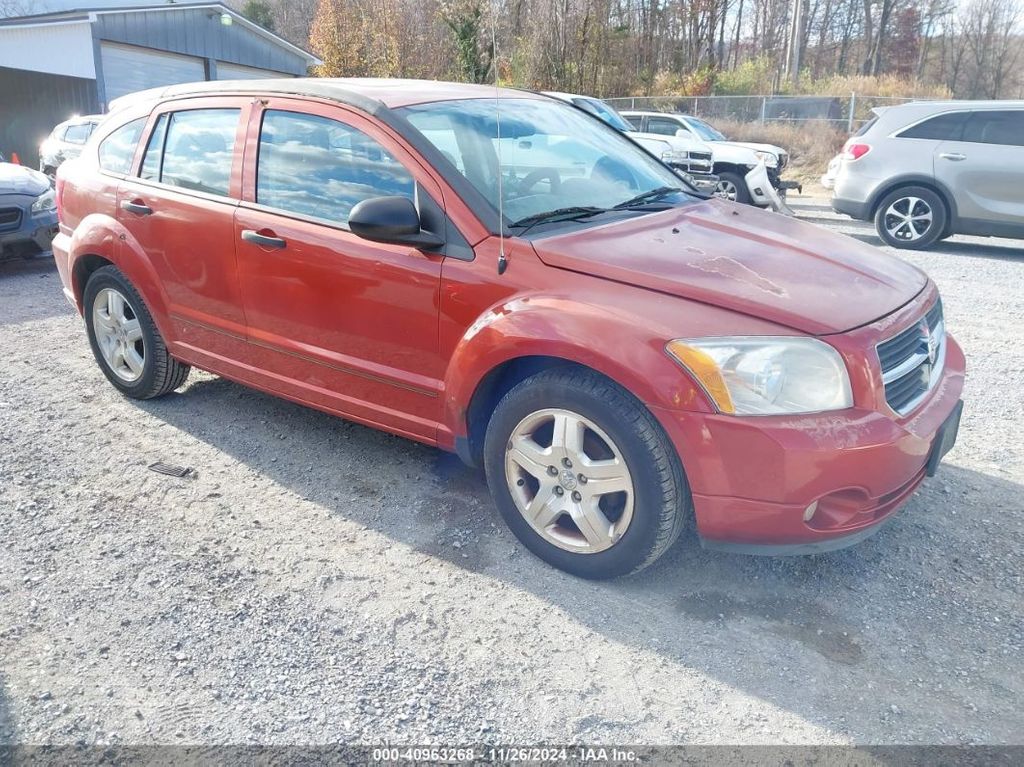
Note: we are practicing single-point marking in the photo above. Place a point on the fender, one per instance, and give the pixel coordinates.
(627, 349)
(101, 235)
(920, 179)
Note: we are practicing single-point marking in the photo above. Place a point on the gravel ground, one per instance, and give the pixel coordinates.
(321, 582)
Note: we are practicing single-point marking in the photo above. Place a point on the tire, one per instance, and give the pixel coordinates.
(911, 218)
(617, 432)
(732, 186)
(152, 371)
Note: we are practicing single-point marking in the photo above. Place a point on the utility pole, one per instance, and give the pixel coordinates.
(796, 38)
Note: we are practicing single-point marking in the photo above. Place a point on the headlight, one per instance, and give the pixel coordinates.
(671, 156)
(45, 201)
(766, 375)
(769, 159)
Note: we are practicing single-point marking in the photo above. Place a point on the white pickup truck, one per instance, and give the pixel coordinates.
(691, 157)
(733, 159)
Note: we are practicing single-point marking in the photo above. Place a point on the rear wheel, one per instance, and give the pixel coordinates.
(911, 218)
(124, 339)
(583, 474)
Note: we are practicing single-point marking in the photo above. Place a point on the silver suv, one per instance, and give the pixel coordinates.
(924, 171)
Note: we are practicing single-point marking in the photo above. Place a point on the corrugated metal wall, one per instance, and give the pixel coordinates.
(198, 32)
(33, 103)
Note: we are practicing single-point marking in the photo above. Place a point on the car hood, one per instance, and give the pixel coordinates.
(746, 260)
(678, 143)
(778, 151)
(17, 179)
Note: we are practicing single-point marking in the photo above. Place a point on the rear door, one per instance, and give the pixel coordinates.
(336, 320)
(985, 167)
(179, 209)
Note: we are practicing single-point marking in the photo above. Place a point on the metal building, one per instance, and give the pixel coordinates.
(55, 65)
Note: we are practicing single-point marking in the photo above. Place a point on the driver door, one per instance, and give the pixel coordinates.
(335, 320)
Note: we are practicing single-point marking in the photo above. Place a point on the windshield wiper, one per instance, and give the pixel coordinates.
(649, 196)
(558, 214)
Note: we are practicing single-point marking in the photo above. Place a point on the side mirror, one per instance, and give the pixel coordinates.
(393, 220)
(682, 133)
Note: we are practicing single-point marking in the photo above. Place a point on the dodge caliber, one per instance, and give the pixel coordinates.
(504, 276)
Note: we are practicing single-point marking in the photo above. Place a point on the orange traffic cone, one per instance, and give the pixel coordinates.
(15, 159)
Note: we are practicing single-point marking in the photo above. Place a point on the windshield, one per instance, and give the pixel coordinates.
(600, 109)
(552, 157)
(704, 130)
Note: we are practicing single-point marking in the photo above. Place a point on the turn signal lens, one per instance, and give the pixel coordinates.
(704, 368)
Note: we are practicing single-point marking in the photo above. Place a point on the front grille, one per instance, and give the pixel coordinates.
(912, 360)
(10, 218)
(701, 162)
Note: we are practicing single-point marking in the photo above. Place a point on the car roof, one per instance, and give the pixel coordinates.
(367, 93)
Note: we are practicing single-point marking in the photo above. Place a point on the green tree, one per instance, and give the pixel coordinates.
(259, 12)
(473, 50)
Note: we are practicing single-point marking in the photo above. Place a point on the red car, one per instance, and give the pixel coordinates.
(506, 277)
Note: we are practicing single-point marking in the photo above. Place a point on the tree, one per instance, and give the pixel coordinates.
(473, 48)
(259, 12)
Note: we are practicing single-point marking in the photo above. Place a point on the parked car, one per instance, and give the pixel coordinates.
(731, 157)
(692, 158)
(927, 170)
(624, 359)
(28, 215)
(65, 142)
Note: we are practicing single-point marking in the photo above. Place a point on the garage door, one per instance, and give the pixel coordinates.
(128, 68)
(227, 71)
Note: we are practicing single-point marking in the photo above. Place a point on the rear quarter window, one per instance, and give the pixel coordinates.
(944, 127)
(117, 150)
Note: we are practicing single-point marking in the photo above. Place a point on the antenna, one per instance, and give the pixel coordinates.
(502, 259)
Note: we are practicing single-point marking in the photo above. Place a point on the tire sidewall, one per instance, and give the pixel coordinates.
(939, 218)
(636, 544)
(111, 277)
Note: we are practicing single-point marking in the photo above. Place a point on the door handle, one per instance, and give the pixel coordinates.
(137, 207)
(263, 240)
(954, 156)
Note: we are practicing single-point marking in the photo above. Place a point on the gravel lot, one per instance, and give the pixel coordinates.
(321, 582)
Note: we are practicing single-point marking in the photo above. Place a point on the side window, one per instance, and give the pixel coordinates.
(636, 121)
(944, 127)
(318, 167)
(152, 162)
(199, 150)
(77, 134)
(117, 150)
(1002, 127)
(663, 126)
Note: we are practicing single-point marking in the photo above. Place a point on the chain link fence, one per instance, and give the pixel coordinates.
(849, 112)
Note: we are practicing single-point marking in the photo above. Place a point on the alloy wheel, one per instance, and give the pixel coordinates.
(726, 190)
(119, 335)
(569, 480)
(908, 219)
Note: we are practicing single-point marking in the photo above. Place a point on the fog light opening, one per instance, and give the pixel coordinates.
(809, 511)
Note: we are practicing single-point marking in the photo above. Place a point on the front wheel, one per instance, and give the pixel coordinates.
(733, 187)
(583, 474)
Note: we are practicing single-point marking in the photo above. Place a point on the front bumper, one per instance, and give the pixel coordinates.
(32, 234)
(752, 479)
(706, 183)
